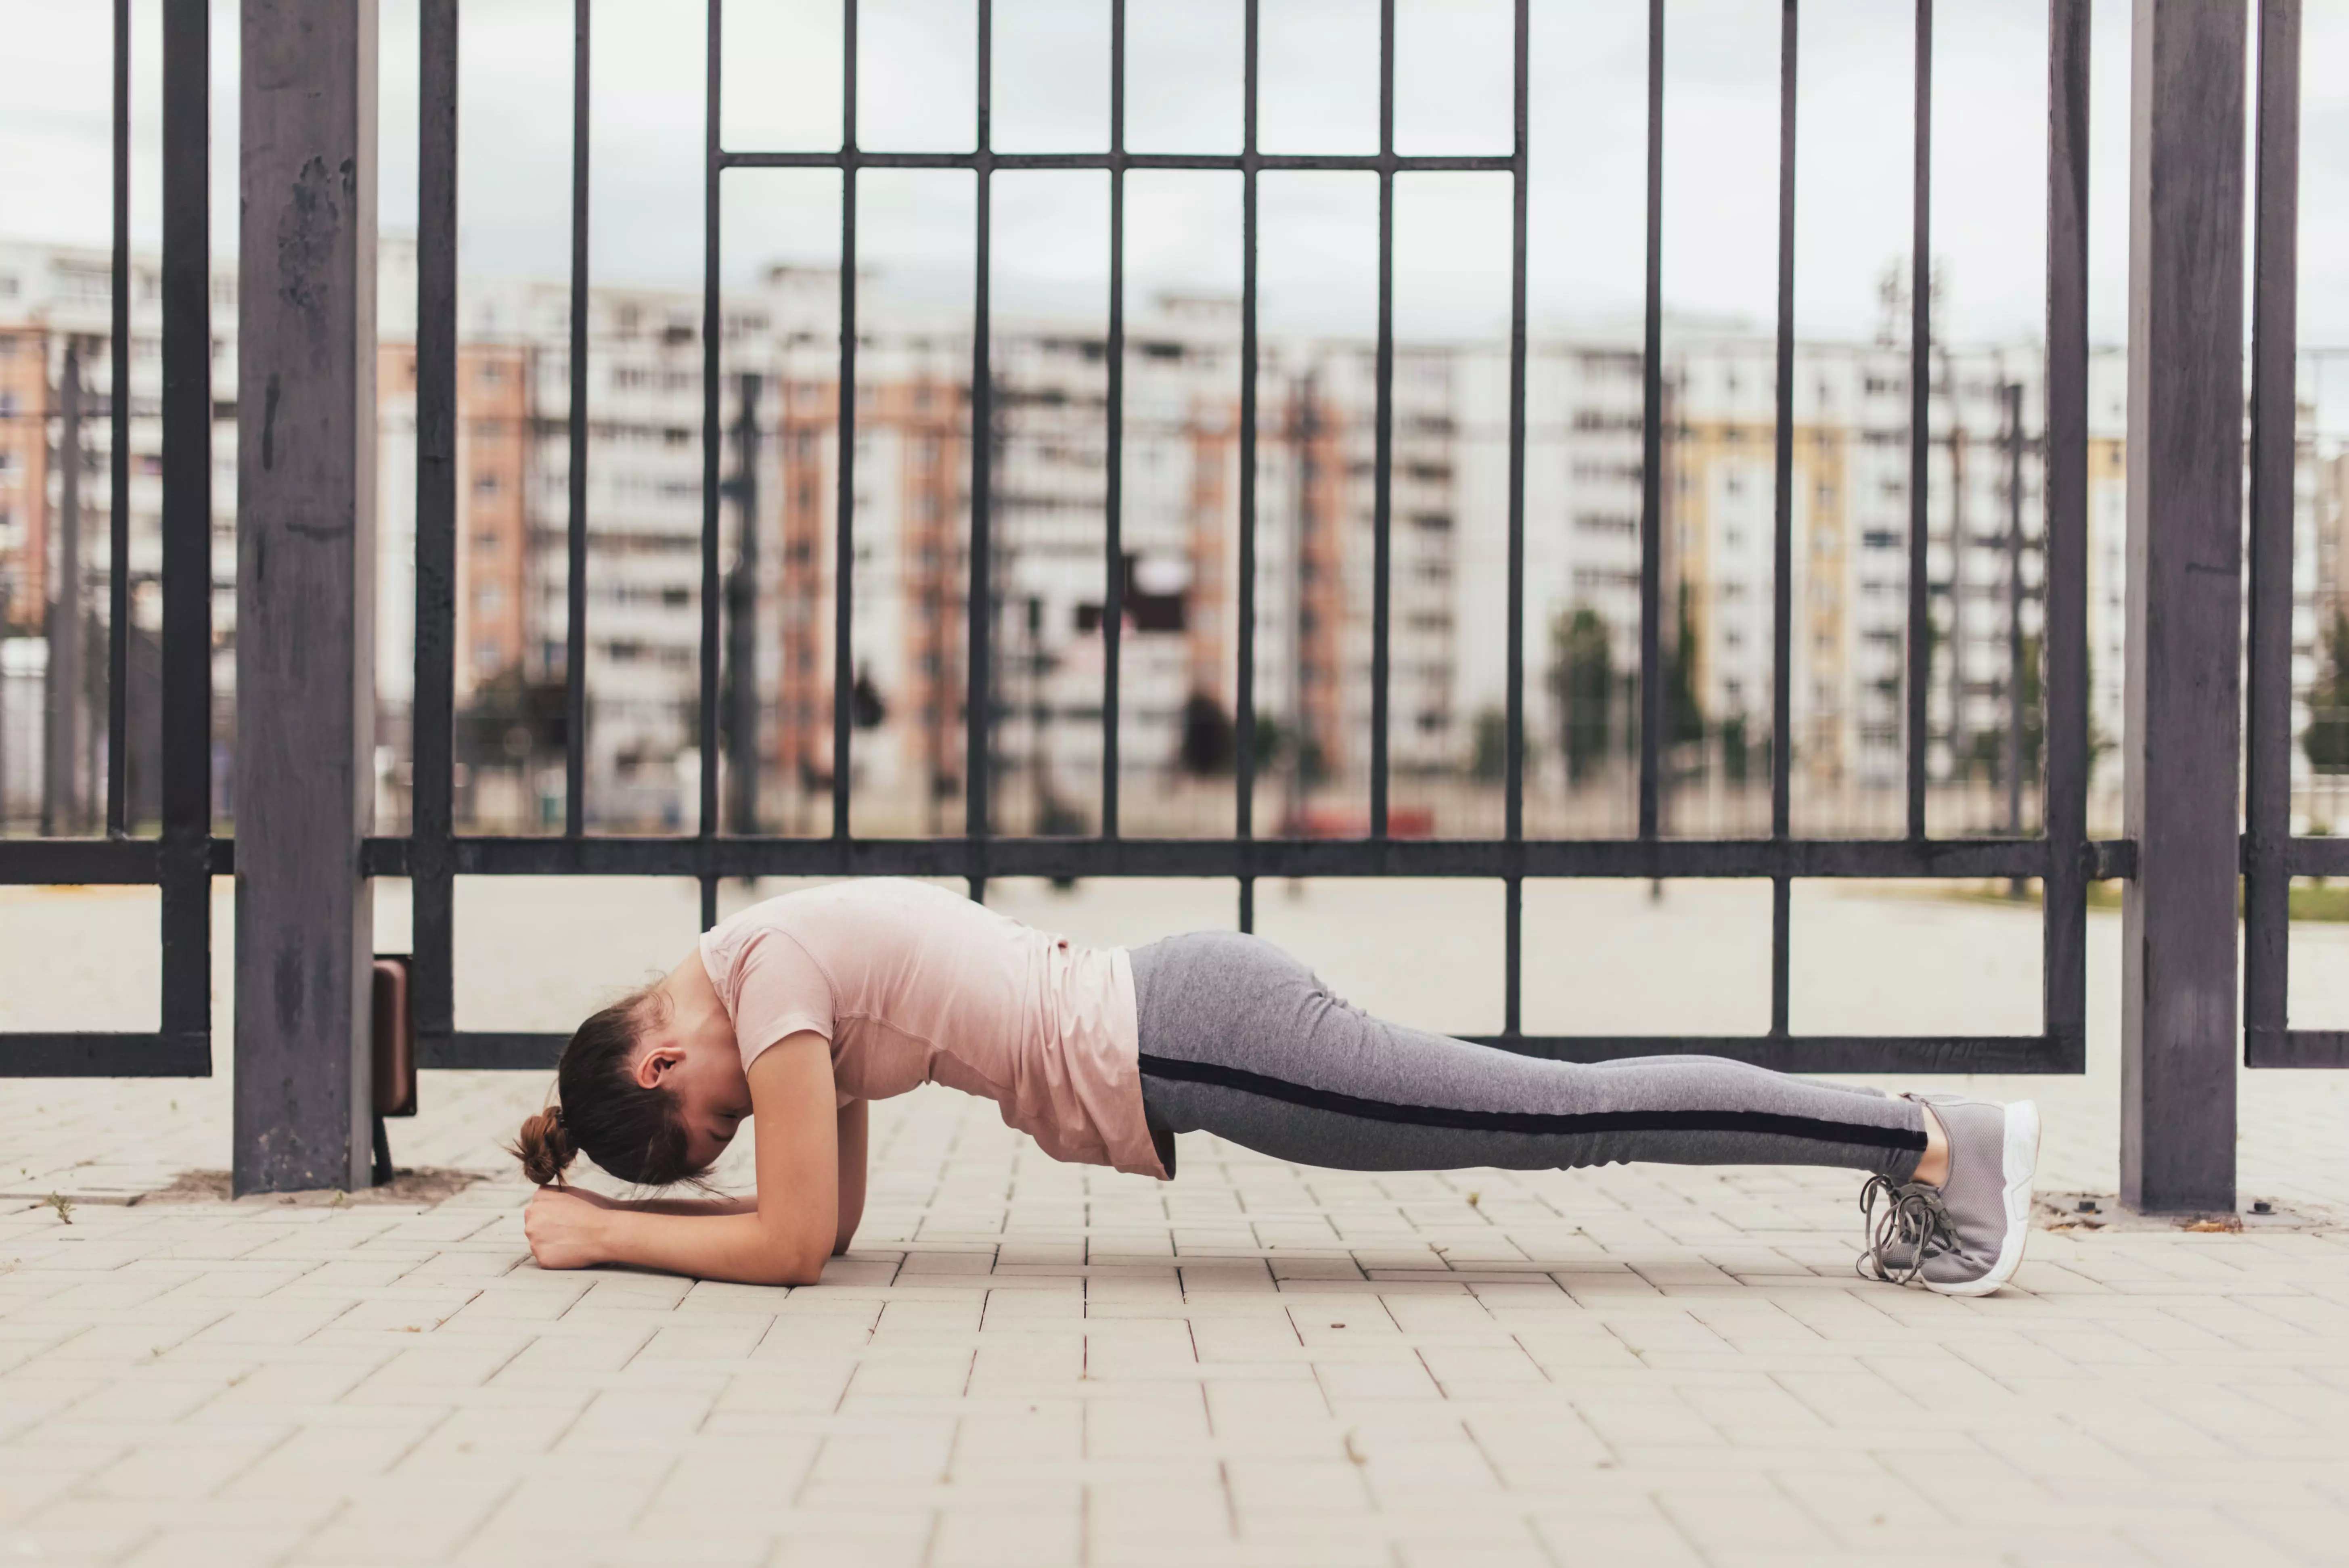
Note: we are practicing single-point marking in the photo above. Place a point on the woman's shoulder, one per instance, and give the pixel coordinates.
(813, 907)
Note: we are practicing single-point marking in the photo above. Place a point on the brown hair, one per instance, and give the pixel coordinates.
(632, 1132)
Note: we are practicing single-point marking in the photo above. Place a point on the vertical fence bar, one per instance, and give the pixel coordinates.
(1243, 774)
(1782, 673)
(844, 543)
(741, 598)
(1514, 823)
(713, 439)
(305, 593)
(1382, 475)
(2064, 507)
(61, 784)
(431, 817)
(1918, 652)
(118, 492)
(575, 667)
(1961, 449)
(979, 757)
(184, 867)
(1652, 681)
(1114, 511)
(2011, 393)
(2184, 603)
(2267, 883)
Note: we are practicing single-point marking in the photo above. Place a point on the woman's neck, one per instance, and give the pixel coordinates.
(694, 1005)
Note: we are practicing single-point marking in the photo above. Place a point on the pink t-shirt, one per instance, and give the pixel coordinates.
(912, 984)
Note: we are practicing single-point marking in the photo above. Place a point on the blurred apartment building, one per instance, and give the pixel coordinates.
(1316, 492)
(56, 327)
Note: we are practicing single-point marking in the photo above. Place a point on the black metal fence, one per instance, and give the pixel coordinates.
(2062, 859)
(2273, 856)
(183, 860)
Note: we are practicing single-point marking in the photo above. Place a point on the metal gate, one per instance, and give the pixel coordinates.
(184, 857)
(2063, 860)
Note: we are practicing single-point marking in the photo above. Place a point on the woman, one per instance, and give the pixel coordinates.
(800, 1010)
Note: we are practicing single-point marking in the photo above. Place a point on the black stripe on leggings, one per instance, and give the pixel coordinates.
(1534, 1121)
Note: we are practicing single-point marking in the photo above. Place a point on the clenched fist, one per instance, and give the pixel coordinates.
(565, 1227)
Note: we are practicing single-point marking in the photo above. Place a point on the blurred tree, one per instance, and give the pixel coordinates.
(867, 707)
(1208, 738)
(1490, 760)
(2327, 741)
(1270, 737)
(1687, 714)
(1735, 750)
(1582, 680)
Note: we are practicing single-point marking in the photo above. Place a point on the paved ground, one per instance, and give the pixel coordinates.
(1032, 1364)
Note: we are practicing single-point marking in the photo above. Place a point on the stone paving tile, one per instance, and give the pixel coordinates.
(249, 1383)
(1028, 1364)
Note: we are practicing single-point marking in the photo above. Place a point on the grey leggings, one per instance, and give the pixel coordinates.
(1243, 1041)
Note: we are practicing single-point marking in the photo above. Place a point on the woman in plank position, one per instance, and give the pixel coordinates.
(800, 1010)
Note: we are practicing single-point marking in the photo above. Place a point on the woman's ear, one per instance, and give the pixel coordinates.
(655, 1062)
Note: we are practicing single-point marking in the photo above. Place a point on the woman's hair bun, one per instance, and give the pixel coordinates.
(544, 1147)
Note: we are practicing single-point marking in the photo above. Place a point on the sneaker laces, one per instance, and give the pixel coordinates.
(1914, 1220)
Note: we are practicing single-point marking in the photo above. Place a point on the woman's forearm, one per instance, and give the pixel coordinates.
(852, 1124)
(687, 1208)
(735, 1247)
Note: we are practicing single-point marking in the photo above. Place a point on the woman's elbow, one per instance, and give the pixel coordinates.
(788, 1271)
(786, 1264)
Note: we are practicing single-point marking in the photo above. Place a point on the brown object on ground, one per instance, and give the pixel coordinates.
(394, 1037)
(427, 1186)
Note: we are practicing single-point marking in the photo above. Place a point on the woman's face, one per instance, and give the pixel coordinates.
(706, 1078)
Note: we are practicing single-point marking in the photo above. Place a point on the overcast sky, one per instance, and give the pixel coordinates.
(1319, 93)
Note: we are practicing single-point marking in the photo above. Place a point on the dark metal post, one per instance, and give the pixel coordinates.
(117, 488)
(431, 815)
(2267, 775)
(2011, 395)
(1114, 476)
(305, 594)
(743, 626)
(1243, 703)
(1781, 602)
(2064, 510)
(1382, 440)
(185, 855)
(1513, 826)
(575, 426)
(979, 744)
(713, 338)
(843, 545)
(2185, 603)
(1916, 654)
(61, 744)
(1959, 771)
(1652, 532)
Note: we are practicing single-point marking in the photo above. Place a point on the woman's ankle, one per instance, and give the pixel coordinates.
(1933, 1166)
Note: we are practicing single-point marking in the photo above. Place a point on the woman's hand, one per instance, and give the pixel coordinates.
(565, 1227)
